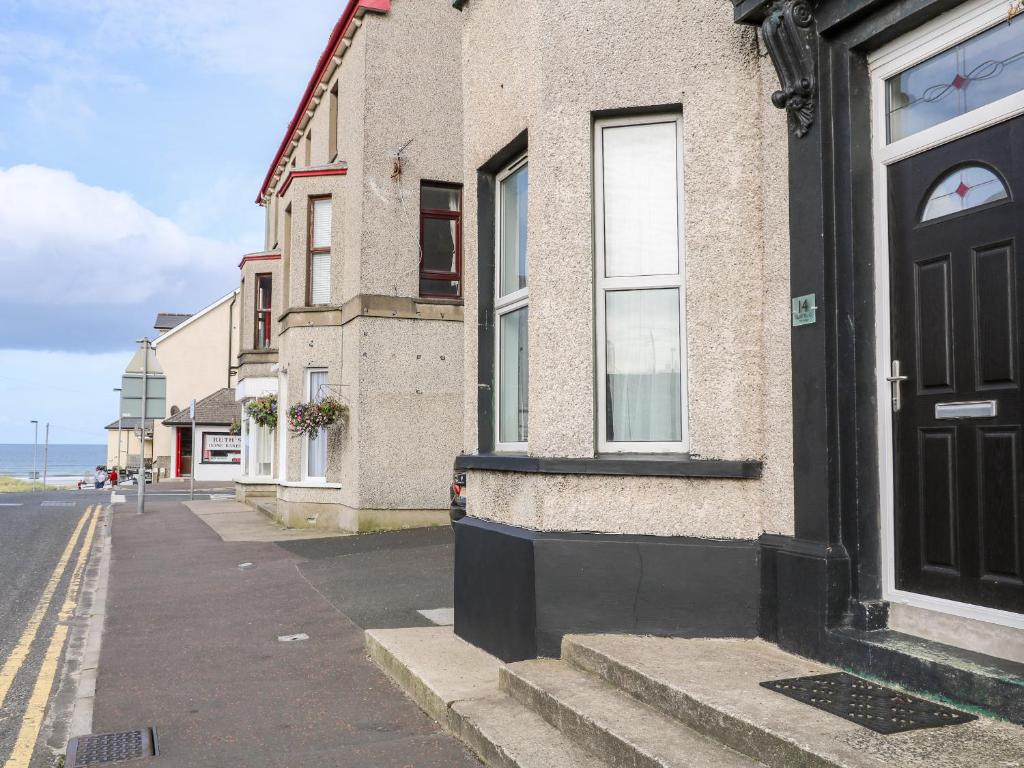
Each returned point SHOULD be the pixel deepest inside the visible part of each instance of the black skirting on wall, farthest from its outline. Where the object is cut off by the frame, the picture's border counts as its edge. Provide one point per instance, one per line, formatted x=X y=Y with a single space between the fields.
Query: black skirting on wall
x=517 y=591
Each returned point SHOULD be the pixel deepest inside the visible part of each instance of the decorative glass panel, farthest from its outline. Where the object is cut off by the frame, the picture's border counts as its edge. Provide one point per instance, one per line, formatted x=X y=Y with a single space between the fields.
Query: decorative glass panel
x=439 y=198
x=977 y=72
x=514 y=379
x=439 y=238
x=514 y=191
x=643 y=371
x=322 y=223
x=964 y=188
x=641 y=205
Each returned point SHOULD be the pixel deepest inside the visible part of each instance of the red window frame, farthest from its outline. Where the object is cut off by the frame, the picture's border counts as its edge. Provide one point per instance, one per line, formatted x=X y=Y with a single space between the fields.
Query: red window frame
x=443 y=214
x=263 y=309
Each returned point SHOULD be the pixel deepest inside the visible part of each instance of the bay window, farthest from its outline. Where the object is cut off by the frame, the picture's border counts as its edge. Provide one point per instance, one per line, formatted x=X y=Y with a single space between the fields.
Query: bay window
x=640 y=284
x=511 y=307
x=318 y=277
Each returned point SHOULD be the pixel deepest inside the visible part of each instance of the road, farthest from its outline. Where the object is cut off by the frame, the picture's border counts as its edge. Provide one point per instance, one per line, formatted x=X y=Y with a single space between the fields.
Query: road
x=45 y=539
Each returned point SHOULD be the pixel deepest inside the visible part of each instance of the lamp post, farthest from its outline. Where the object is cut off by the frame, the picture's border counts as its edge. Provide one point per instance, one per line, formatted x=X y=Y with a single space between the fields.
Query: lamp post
x=35 y=445
x=119 y=409
x=141 y=496
x=46 y=454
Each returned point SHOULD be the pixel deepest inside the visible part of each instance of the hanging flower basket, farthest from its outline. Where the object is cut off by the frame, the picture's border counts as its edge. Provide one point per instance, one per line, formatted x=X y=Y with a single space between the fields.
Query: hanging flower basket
x=310 y=418
x=235 y=428
x=263 y=411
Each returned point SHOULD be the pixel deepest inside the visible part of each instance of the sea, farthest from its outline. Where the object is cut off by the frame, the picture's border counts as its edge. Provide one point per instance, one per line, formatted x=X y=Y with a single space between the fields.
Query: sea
x=63 y=461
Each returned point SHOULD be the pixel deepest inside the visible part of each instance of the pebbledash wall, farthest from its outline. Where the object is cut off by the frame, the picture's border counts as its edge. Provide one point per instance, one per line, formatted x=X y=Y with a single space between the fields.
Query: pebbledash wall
x=563 y=539
x=393 y=358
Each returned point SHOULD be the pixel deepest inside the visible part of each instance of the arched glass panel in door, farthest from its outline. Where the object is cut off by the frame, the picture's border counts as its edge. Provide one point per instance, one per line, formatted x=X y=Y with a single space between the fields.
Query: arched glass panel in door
x=962 y=189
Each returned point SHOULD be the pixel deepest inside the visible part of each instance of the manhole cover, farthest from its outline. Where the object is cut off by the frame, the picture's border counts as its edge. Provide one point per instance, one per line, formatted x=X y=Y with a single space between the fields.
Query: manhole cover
x=111 y=747
x=881 y=709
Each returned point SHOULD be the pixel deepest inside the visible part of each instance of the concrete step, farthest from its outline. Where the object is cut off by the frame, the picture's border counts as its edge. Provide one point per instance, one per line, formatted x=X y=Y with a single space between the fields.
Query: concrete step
x=457 y=685
x=975 y=679
x=505 y=734
x=712 y=686
x=610 y=723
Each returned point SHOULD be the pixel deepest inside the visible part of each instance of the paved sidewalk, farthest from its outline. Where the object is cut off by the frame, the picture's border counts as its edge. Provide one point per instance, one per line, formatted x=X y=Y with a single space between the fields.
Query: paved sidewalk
x=191 y=647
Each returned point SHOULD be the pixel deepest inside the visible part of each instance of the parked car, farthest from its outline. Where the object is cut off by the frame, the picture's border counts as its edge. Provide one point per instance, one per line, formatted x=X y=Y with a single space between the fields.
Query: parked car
x=457 y=493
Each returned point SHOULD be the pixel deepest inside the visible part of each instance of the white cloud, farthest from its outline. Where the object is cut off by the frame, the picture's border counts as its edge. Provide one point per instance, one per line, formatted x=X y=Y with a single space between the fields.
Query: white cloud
x=66 y=242
x=241 y=37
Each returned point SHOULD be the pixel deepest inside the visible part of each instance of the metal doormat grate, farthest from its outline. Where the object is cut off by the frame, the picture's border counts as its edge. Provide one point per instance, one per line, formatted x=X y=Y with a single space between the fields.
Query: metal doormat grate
x=881 y=709
x=117 y=747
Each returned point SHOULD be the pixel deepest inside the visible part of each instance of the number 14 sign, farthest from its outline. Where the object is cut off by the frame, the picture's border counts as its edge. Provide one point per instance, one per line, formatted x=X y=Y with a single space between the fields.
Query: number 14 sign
x=804 y=310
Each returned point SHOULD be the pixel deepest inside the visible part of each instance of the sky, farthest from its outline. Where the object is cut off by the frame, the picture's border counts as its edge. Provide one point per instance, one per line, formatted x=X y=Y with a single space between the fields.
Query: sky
x=134 y=135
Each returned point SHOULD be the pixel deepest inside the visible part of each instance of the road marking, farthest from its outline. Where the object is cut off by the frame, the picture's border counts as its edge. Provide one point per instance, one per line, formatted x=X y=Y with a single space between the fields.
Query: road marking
x=11 y=504
x=20 y=651
x=25 y=746
x=75 y=585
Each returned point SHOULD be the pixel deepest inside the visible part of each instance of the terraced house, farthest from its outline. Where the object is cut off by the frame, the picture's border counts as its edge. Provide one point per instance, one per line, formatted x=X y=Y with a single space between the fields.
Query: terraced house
x=357 y=295
x=745 y=352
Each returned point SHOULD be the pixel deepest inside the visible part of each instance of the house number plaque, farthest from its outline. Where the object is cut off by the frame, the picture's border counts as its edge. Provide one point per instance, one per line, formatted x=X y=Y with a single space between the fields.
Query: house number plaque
x=804 y=310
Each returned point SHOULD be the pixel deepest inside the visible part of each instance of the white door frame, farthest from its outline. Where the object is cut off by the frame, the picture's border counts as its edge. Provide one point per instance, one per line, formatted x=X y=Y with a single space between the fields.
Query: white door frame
x=941 y=33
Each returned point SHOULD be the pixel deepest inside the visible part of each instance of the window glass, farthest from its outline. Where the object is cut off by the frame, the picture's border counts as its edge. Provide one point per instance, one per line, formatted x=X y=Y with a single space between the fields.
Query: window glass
x=964 y=188
x=977 y=72
x=643 y=372
x=439 y=198
x=321 y=223
x=641 y=218
x=513 y=381
x=514 y=192
x=316 y=452
x=439 y=241
x=442 y=288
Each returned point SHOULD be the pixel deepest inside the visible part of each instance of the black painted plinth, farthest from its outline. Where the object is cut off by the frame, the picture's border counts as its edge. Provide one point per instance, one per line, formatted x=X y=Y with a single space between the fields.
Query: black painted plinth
x=517 y=592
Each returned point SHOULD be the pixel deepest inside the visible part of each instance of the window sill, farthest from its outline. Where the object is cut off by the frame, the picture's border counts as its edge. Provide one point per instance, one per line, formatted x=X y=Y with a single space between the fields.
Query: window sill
x=648 y=465
x=307 y=484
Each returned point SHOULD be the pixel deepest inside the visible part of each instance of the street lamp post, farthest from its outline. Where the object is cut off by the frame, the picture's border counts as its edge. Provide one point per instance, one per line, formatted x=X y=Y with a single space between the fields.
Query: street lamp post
x=141 y=496
x=46 y=454
x=119 y=409
x=35 y=445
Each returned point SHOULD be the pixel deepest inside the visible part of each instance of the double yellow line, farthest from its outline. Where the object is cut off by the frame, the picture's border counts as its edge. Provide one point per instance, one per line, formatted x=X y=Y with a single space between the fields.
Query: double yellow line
x=32 y=721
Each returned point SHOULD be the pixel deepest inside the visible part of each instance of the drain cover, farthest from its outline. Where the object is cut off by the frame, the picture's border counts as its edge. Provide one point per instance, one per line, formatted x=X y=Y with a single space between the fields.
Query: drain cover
x=883 y=710
x=112 y=747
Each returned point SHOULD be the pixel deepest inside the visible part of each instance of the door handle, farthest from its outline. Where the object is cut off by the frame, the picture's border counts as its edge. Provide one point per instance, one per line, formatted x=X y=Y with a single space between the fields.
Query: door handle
x=895 y=380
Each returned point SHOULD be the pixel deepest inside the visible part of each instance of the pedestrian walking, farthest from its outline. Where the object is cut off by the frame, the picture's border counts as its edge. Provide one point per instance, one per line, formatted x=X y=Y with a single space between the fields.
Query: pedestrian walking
x=101 y=477
x=113 y=477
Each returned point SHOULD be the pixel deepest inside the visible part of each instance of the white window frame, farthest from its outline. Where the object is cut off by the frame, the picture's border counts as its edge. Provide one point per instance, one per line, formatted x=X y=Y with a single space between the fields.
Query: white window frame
x=604 y=285
x=505 y=305
x=942 y=33
x=308 y=386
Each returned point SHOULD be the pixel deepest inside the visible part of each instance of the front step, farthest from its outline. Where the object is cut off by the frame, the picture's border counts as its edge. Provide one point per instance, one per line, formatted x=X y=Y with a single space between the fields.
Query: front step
x=610 y=723
x=457 y=685
x=713 y=687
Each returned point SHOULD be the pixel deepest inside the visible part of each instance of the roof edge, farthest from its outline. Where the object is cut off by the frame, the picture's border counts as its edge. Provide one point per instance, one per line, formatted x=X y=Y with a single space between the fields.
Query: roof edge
x=352 y=9
x=201 y=313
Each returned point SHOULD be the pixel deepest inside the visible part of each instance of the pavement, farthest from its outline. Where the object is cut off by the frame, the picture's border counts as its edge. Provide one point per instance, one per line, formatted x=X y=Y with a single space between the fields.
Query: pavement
x=45 y=543
x=191 y=643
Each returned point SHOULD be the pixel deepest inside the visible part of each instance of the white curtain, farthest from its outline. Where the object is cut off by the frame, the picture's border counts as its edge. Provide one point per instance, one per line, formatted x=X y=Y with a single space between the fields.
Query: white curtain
x=643 y=366
x=316 y=452
x=514 y=381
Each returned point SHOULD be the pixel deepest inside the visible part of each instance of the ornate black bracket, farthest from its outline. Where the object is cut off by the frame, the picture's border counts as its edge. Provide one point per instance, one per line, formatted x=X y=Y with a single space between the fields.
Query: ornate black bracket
x=788 y=31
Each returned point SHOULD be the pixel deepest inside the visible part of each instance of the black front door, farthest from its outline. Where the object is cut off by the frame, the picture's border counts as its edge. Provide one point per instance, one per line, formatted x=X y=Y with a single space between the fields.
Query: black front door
x=956 y=235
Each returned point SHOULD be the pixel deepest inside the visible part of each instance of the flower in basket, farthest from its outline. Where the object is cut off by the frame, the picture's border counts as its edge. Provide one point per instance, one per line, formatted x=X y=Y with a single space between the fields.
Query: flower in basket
x=310 y=418
x=263 y=411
